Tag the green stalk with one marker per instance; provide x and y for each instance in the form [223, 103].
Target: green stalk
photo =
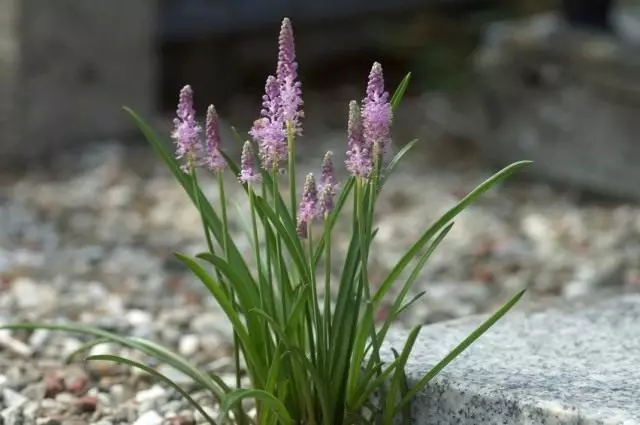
[375, 355]
[225, 248]
[327, 282]
[319, 329]
[365, 233]
[256, 246]
[269, 270]
[283, 291]
[292, 169]
[207, 234]
[236, 345]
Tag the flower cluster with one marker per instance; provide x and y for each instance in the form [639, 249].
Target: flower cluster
[368, 133]
[317, 200]
[281, 113]
[369, 127]
[187, 136]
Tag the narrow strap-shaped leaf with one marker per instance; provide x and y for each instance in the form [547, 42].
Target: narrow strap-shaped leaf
[144, 346]
[400, 91]
[210, 217]
[156, 374]
[396, 382]
[267, 399]
[247, 291]
[390, 168]
[485, 326]
[258, 368]
[397, 304]
[444, 220]
[290, 238]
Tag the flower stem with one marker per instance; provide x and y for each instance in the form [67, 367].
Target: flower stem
[225, 248]
[196, 190]
[327, 280]
[292, 169]
[279, 259]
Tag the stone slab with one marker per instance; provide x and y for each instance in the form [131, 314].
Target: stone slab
[567, 99]
[66, 69]
[573, 365]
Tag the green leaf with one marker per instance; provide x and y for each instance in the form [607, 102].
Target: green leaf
[399, 93]
[254, 363]
[156, 374]
[269, 400]
[461, 347]
[85, 347]
[247, 291]
[390, 168]
[444, 220]
[147, 347]
[289, 236]
[399, 376]
[410, 303]
[209, 216]
[397, 304]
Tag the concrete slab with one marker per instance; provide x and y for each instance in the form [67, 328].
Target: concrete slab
[66, 69]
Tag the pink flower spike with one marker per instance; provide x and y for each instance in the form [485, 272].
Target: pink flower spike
[359, 162]
[308, 209]
[213, 159]
[269, 131]
[287, 76]
[328, 177]
[249, 173]
[186, 132]
[377, 113]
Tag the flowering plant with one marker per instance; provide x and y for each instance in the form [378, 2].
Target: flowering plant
[308, 362]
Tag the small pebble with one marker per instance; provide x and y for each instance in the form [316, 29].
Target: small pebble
[152, 394]
[87, 404]
[13, 399]
[149, 418]
[189, 345]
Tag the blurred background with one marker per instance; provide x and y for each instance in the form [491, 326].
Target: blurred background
[89, 217]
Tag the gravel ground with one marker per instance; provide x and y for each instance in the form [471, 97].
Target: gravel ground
[90, 239]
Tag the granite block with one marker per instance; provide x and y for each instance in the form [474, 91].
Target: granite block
[573, 365]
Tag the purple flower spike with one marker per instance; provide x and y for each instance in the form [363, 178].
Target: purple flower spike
[376, 113]
[213, 159]
[326, 199]
[358, 162]
[328, 177]
[291, 95]
[287, 76]
[268, 131]
[308, 209]
[248, 171]
[287, 65]
[186, 133]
